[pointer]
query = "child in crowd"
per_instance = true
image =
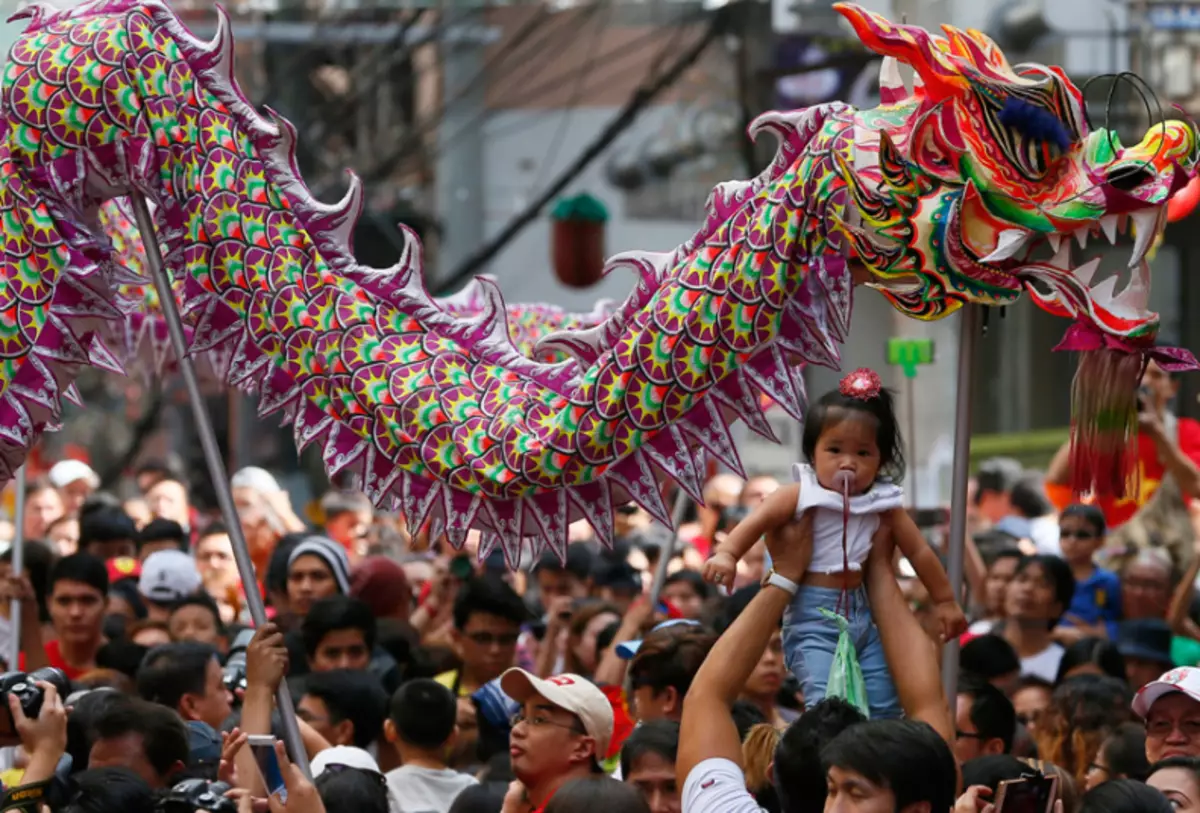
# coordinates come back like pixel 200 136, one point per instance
pixel 852 442
pixel 1096 604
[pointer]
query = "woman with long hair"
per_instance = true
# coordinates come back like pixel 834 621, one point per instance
pixel 1083 711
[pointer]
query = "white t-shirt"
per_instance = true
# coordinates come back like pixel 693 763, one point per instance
pixel 1044 664
pixel 425 790
pixel 717 786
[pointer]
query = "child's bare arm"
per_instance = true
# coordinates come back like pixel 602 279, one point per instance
pixel 912 544
pixel 777 510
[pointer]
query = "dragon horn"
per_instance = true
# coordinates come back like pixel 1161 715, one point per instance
pixel 891 85
pixel 913 46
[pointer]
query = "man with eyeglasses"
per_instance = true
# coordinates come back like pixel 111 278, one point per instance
pixel 562 732
pixel 1170 707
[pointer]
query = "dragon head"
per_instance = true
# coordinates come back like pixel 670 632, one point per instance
pixel 972 187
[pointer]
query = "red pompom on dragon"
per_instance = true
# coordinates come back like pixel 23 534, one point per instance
pixel 940 197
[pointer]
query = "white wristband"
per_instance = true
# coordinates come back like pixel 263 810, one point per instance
pixel 782 582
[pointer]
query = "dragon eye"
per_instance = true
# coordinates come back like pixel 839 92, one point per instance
pixel 1030 136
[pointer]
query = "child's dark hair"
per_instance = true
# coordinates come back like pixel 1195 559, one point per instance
pixel 1088 513
pixel 834 407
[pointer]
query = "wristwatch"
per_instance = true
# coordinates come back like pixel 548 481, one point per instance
pixel 782 582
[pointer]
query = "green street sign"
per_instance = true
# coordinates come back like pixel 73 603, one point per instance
pixel 908 354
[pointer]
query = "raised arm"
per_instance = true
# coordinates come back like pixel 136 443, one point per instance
pixel 912 544
pixel 707 730
pixel 911 657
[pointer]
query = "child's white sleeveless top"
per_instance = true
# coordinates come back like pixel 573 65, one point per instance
pixel 827 519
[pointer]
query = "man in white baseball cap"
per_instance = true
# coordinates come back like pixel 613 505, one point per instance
pixel 75 481
pixel 562 731
pixel 167 576
pixel 1170 707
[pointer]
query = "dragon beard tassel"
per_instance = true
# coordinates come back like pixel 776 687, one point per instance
pixel 1104 422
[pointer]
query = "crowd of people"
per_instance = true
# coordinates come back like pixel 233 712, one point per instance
pixel 431 679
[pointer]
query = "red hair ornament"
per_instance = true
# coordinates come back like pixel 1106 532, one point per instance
pixel 863 384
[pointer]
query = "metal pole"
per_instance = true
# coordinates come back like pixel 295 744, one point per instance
pixel 968 333
pixel 912 441
pixel 18 567
pixel 668 550
pixel 216 466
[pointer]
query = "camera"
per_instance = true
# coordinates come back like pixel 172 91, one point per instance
pixel 30 695
pixel 234 671
pixel 191 795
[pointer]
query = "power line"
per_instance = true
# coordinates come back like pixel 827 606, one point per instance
pixel 536 92
pixel 576 97
pixel 485 75
pixel 411 140
pixel 638 102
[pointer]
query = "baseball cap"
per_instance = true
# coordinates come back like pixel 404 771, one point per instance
pixel 344 756
pixel 628 649
pixel 123 567
pixel 253 477
pixel 65 472
pixel 168 576
pixel 572 693
pixel 1185 679
pixel 204 744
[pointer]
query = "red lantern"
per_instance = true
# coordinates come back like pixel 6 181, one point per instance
pixel 577 240
pixel 1183 202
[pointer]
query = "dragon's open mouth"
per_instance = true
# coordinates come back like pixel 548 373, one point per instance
pixel 1111 288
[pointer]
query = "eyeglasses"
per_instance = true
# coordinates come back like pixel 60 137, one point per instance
pixel 1027 719
pixel 492 639
pixel 1097 767
pixel 1067 534
pixel 969 735
pixel 1161 728
pixel 541 721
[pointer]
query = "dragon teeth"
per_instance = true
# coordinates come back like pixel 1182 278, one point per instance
pixel 1085 272
pixel 1008 243
pixel 1081 236
pixel 1062 256
pixel 1135 299
pixel 1108 225
pixel 1103 293
pixel 1145 223
pixel 1055 241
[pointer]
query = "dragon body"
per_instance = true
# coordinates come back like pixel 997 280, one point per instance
pixel 146 344
pixel 941 197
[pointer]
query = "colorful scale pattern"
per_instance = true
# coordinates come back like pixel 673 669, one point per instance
pixel 147 346
pixel 441 413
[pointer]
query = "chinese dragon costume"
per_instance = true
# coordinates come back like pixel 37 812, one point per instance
pixel 146 345
pixel 942 196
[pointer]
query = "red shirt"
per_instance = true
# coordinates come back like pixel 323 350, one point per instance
pixel 1150 475
pixel 54 655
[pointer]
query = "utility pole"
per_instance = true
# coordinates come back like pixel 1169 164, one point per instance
pixel 460 172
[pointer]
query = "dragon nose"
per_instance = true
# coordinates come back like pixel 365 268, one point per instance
pixel 1129 177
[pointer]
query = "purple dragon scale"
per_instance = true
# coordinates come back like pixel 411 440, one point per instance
pixel 443 408
pixel 146 346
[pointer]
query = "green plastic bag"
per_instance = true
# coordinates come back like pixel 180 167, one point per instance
pixel 845 675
